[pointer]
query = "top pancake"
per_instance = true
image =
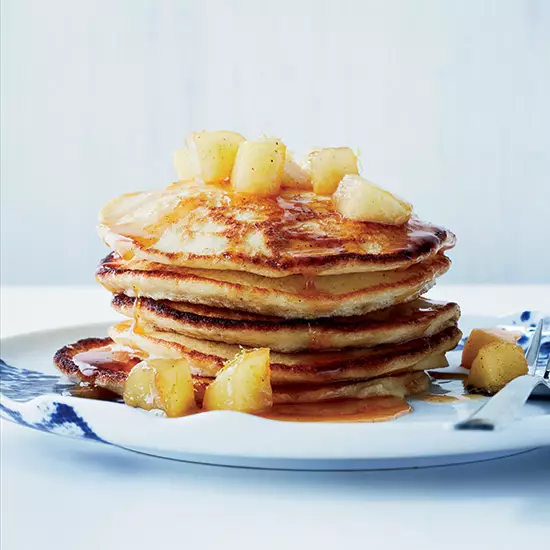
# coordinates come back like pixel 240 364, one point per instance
pixel 200 225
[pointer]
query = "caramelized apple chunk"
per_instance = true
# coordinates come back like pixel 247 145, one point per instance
pixel 359 199
pixel 140 389
pixel 208 156
pixel 244 384
pixel 163 384
pixel 480 337
pixel 328 166
pixel 495 365
pixel 258 168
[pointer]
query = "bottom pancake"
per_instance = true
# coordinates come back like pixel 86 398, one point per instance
pixel 101 362
pixel 207 358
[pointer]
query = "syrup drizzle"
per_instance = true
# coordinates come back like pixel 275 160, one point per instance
pixel 438 398
pixel 90 362
pixel 374 409
pixel 440 375
pixel 299 224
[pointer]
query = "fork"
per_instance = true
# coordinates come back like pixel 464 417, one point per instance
pixel 505 406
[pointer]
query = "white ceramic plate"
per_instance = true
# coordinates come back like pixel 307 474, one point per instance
pixel 426 437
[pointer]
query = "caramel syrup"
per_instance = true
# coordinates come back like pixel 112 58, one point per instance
pixel 89 391
pixel 309 284
pixel 439 375
pixel 452 380
pixel 297 223
pixel 438 398
pixel 373 409
pixel 137 317
pixel 88 362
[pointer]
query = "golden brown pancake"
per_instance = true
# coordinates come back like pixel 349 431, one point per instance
pixel 394 325
pixel 200 225
pixel 291 297
pixel 399 385
pixel 207 358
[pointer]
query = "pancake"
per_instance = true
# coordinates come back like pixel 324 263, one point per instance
pixel 399 385
pixel 296 296
pixel 198 225
pixel 207 358
pixel 394 325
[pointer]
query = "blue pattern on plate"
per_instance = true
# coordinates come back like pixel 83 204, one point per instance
pixel 24 385
pixel 18 386
pixel 58 418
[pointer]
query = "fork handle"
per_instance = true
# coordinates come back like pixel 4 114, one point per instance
pixel 504 407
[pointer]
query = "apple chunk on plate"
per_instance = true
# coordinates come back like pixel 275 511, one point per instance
pixel 163 384
pixel 480 337
pixel 495 365
pixel 244 384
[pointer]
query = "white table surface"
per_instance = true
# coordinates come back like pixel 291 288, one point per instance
pixel 69 494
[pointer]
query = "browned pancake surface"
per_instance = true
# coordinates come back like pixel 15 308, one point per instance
pixel 207 358
pixel 394 325
pixel 401 385
pixel 208 226
pixel 296 296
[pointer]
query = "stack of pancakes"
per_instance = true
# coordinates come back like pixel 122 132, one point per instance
pixel 200 272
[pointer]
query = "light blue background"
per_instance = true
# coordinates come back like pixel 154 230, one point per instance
pixel 448 101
